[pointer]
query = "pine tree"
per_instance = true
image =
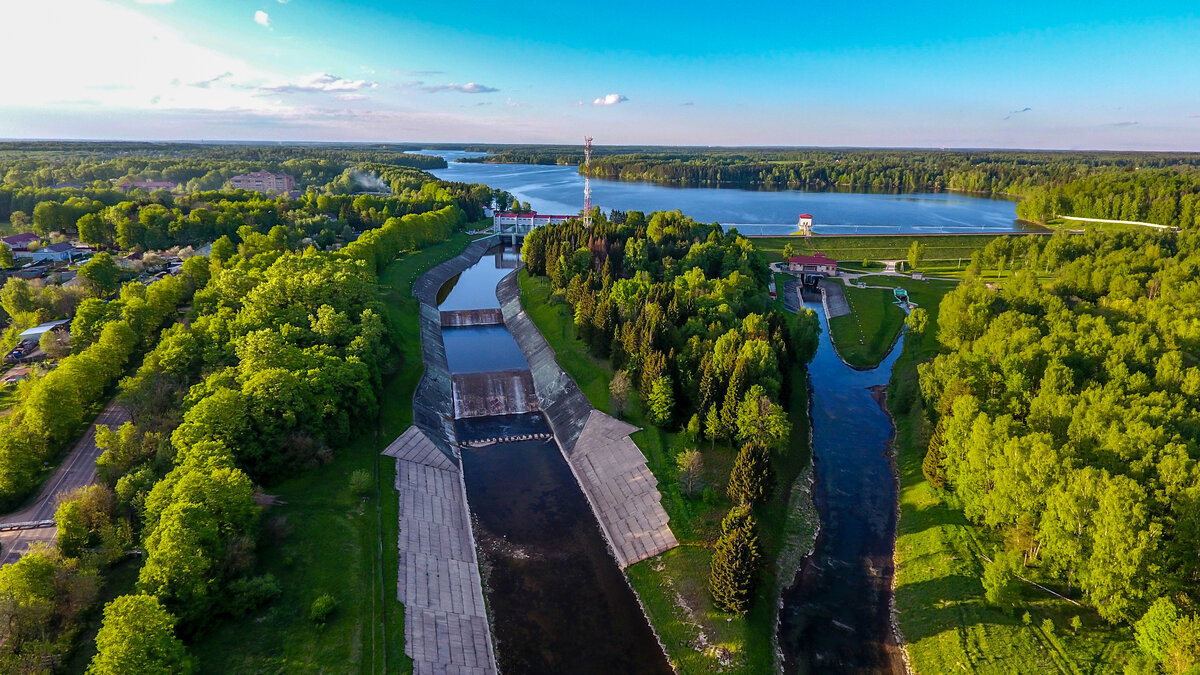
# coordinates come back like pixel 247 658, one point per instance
pixel 734 563
pixel 752 479
pixel 933 465
pixel 712 425
pixel 662 401
pixel 733 398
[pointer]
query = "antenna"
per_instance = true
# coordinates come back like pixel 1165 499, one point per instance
pixel 587 181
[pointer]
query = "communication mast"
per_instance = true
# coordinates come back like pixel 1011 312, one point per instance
pixel 587 181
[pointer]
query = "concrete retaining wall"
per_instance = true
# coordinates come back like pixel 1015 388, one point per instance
pixel 506 392
pixel 433 400
pixel 472 317
pixel 559 397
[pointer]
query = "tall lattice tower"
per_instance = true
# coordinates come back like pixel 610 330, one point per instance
pixel 587 181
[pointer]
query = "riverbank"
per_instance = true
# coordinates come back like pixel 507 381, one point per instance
pixel 943 618
pixel 673 586
pixel 324 538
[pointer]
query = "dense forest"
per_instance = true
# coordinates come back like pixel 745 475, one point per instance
pixel 1066 417
pixel 990 171
pixel 680 310
pixel 195 166
pixel 1168 197
pixel 261 360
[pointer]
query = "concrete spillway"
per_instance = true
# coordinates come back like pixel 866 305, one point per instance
pixel 472 317
pixel 506 392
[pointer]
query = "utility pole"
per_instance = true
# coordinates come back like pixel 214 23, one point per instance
pixel 587 181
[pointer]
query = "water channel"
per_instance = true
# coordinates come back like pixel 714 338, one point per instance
pixel 557 600
pixel 559 189
pixel 836 616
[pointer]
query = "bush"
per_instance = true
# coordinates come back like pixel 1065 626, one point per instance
pixel 321 608
pixel 360 482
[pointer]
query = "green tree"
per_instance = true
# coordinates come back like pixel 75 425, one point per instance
pixel 223 249
pixel 915 253
pixel 101 273
pixel 6 257
pixel 1000 578
pixel 662 401
pixel 1154 632
pixel 690 467
pixel 917 320
pixel 759 420
pixel 138 636
pixel 752 479
pixel 734 564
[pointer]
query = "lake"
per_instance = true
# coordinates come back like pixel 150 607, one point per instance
pixel 559 190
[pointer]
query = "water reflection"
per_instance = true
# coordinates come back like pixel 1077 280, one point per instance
pixel 836 616
pixel 559 189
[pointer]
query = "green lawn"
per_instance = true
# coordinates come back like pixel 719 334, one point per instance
pixel 323 539
pixel 6 228
pixel 855 249
pixel 943 616
pixel 674 586
pixel 865 335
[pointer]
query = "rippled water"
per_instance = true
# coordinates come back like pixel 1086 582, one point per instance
pixel 836 615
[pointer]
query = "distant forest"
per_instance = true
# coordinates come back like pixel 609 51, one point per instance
pixel 1155 187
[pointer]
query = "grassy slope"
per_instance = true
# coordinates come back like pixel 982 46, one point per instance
pixel 674 586
pixel 865 335
pixel 942 611
pixel 855 249
pixel 336 542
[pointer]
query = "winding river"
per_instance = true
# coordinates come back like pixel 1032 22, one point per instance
pixel 836 616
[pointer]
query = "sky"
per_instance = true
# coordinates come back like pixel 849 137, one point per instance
pixel 1063 75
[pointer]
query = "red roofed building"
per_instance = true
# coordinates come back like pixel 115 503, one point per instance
pixel 805 224
pixel 813 264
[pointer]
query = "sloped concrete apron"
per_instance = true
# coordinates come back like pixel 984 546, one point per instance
pixel 446 628
pixel 607 464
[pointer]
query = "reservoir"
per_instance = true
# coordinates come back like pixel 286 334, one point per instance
pixel 836 616
pixel 558 602
pixel 559 190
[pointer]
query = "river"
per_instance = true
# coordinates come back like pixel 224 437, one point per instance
pixel 836 616
pixel 559 189
pixel 557 600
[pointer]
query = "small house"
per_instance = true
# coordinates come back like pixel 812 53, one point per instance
pixel 54 252
pixel 818 264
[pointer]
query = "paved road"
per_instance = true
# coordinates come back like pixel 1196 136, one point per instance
pixel 77 470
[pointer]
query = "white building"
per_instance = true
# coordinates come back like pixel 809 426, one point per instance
pixel 523 223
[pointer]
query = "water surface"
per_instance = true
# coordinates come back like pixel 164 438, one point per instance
pixel 836 615
pixel 559 190
pixel 558 601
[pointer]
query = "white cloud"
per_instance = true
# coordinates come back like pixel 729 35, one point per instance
pixel 167 60
pixel 512 104
pixel 262 18
pixel 319 82
pixel 351 97
pixel 468 88
pixel 155 2
pixel 610 99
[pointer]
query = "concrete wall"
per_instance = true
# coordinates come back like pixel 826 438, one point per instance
pixel 433 400
pixel 559 397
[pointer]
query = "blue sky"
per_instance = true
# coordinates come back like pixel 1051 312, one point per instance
pixel 939 74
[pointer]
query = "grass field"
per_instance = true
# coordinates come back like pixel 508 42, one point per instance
pixel 943 615
pixel 854 250
pixel 674 586
pixel 323 539
pixel 6 228
pixel 865 335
